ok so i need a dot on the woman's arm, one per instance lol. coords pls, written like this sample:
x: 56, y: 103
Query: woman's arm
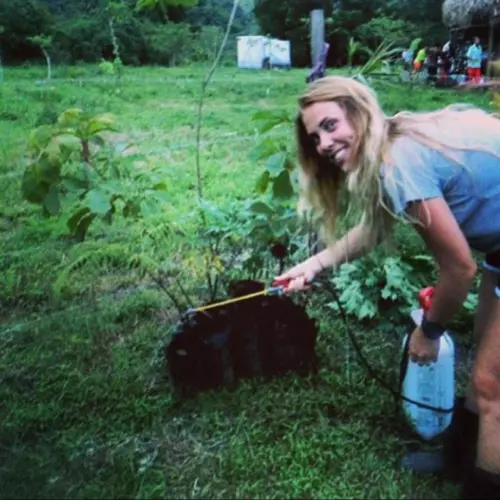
x: 351, y: 247
x: 348, y: 248
x: 446, y: 242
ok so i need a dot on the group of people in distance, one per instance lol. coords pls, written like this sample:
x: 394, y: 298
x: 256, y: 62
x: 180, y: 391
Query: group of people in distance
x: 440, y: 63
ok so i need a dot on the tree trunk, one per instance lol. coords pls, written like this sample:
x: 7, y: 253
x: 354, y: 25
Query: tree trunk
x: 49, y: 67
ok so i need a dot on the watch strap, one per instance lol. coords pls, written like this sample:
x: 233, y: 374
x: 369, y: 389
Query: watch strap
x: 432, y: 329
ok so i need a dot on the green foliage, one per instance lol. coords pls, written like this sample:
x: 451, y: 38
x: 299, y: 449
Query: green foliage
x: 216, y: 13
x: 230, y: 226
x: 170, y: 44
x: 115, y: 67
x: 22, y: 19
x: 80, y: 30
x: 382, y: 28
x: 41, y: 40
x: 96, y: 184
x: 45, y: 42
x: 379, y: 61
x: 278, y: 175
x: 163, y: 4
x: 82, y: 378
x: 368, y: 22
x: 352, y: 49
x: 368, y: 285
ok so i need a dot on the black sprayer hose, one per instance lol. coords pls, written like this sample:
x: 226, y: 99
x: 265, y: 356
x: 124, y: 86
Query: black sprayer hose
x: 404, y: 361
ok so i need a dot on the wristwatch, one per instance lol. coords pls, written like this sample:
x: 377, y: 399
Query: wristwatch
x: 432, y: 329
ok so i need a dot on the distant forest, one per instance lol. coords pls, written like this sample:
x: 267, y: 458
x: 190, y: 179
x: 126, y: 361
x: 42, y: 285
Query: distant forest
x: 176, y: 32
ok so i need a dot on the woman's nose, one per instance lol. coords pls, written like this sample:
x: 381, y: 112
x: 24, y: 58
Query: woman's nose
x: 325, y: 143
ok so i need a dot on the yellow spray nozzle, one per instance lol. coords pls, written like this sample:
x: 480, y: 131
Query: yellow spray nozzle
x: 276, y: 290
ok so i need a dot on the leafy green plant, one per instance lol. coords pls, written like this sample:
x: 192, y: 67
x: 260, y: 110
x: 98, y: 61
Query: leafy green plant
x: 162, y: 5
x: 279, y: 175
x: 381, y: 27
x: 379, y: 61
x: 72, y: 167
x: 265, y: 223
x: 255, y: 237
x: 370, y: 285
x: 117, y: 64
x: 353, y: 47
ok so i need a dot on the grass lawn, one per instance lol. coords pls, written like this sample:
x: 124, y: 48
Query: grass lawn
x: 86, y: 410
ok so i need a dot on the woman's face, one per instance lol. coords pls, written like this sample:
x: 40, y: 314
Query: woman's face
x: 327, y: 126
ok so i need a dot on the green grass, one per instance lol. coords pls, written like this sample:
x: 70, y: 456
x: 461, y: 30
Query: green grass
x: 86, y: 410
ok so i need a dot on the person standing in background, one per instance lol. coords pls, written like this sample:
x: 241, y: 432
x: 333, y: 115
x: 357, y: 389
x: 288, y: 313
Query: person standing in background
x: 420, y: 59
x: 474, y: 60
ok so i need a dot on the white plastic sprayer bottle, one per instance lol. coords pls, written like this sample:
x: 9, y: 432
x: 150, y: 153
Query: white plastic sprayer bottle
x: 432, y: 385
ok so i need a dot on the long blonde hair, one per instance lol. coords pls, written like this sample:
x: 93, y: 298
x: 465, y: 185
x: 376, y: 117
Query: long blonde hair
x: 451, y: 130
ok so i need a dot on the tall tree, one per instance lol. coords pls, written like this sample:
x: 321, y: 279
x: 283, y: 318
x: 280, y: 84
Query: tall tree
x: 164, y: 5
x: 22, y: 19
x: 216, y: 13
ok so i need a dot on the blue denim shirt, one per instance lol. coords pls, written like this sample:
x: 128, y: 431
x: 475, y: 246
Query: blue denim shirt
x: 471, y: 191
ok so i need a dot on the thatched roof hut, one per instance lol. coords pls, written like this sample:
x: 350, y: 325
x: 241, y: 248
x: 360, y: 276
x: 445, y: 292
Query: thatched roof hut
x: 463, y: 14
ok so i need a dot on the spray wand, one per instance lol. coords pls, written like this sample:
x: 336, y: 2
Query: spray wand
x: 278, y: 288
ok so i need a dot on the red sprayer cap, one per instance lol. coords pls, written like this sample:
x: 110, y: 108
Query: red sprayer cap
x: 425, y: 297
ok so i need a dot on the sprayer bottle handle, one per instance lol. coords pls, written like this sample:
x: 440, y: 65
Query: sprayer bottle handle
x: 284, y: 283
x: 425, y: 297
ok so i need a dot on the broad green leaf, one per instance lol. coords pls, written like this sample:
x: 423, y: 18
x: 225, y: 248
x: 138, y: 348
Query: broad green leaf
x: 160, y: 186
x: 148, y: 207
x: 114, y: 171
x: 282, y: 187
x: 112, y: 186
x: 74, y: 184
x: 100, y: 123
x: 98, y: 141
x: 51, y: 201
x: 49, y: 169
x: 68, y: 117
x: 270, y: 119
x: 40, y: 137
x: 74, y: 220
x: 275, y: 164
x: 69, y: 141
x: 264, y: 149
x: 264, y: 114
x: 53, y: 152
x: 68, y: 144
x: 161, y: 196
x: 98, y: 201
x: 262, y: 182
x: 260, y: 207
x: 83, y: 226
x: 33, y: 188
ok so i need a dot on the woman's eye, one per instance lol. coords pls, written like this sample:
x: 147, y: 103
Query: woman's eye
x: 330, y: 125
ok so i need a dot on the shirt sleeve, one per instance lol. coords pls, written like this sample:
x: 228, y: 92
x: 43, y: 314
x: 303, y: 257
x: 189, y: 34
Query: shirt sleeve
x: 412, y: 176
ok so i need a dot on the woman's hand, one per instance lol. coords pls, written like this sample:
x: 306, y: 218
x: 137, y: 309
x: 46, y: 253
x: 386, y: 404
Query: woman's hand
x: 302, y: 274
x: 421, y: 349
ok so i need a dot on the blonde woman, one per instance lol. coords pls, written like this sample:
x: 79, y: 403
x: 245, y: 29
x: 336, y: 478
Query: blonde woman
x: 440, y: 173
